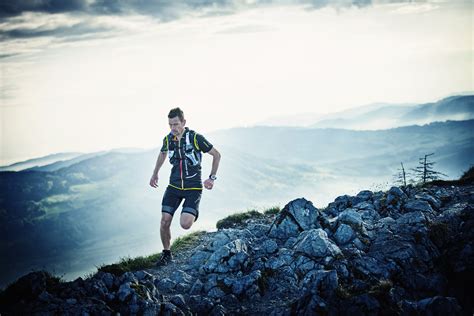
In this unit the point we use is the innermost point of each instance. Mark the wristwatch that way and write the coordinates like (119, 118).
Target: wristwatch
(212, 177)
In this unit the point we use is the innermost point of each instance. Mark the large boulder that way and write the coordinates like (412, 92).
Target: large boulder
(297, 216)
(230, 257)
(315, 244)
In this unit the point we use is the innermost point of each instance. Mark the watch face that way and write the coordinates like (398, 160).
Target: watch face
(212, 177)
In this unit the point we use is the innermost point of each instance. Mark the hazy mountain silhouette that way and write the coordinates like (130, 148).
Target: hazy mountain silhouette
(41, 161)
(379, 116)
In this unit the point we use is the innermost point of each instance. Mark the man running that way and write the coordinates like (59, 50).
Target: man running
(183, 148)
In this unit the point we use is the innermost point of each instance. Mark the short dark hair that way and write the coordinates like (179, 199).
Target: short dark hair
(176, 112)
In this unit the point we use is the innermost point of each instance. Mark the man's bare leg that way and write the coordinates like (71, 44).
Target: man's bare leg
(165, 231)
(186, 220)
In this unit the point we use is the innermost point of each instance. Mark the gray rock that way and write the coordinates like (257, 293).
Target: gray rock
(218, 261)
(439, 305)
(168, 308)
(259, 230)
(45, 297)
(367, 212)
(218, 310)
(230, 299)
(340, 203)
(134, 309)
(365, 304)
(196, 288)
(302, 265)
(402, 252)
(125, 291)
(315, 244)
(344, 234)
(128, 277)
(237, 261)
(396, 195)
(434, 202)
(269, 246)
(200, 304)
(199, 258)
(418, 206)
(218, 240)
(365, 195)
(179, 276)
(290, 242)
(165, 284)
(321, 282)
(407, 307)
(370, 267)
(215, 292)
(296, 216)
(283, 258)
(351, 218)
(178, 300)
(247, 284)
(142, 275)
(210, 283)
(412, 222)
(151, 309)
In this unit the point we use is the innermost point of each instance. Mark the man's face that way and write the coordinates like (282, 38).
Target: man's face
(176, 125)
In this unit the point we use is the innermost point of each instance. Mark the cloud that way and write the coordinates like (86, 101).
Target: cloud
(63, 31)
(70, 20)
(163, 9)
(10, 8)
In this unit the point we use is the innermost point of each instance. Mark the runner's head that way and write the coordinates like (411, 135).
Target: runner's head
(176, 121)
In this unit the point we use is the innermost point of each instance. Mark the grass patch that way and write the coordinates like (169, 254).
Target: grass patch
(187, 241)
(272, 211)
(130, 264)
(127, 264)
(237, 219)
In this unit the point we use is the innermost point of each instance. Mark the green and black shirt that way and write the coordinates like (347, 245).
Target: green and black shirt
(185, 156)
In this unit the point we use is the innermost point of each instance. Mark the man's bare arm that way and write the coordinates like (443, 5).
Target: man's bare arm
(159, 162)
(216, 158)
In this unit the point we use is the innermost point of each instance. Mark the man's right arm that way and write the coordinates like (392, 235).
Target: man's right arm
(159, 162)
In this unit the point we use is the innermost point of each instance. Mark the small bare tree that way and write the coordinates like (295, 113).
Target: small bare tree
(425, 170)
(401, 176)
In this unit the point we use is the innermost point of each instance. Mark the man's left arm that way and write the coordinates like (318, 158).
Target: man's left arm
(216, 158)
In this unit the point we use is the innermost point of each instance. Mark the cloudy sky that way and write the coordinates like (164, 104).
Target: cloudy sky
(87, 75)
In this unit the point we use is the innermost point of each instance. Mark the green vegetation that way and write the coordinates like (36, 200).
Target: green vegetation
(187, 241)
(237, 219)
(272, 211)
(139, 263)
(130, 264)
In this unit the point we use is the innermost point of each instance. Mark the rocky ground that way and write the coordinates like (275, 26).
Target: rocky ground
(401, 252)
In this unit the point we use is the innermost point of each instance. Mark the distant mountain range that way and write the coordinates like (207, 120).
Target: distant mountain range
(385, 115)
(41, 161)
(60, 160)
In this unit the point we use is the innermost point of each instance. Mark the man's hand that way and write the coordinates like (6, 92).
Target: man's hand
(208, 184)
(154, 180)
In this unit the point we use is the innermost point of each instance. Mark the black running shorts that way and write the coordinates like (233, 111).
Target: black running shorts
(173, 197)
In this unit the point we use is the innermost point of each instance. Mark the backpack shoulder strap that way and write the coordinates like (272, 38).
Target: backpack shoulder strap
(191, 138)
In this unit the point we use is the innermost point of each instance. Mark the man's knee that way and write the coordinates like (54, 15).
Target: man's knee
(186, 220)
(186, 225)
(166, 220)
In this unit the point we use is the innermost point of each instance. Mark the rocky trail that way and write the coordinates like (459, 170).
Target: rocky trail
(406, 251)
